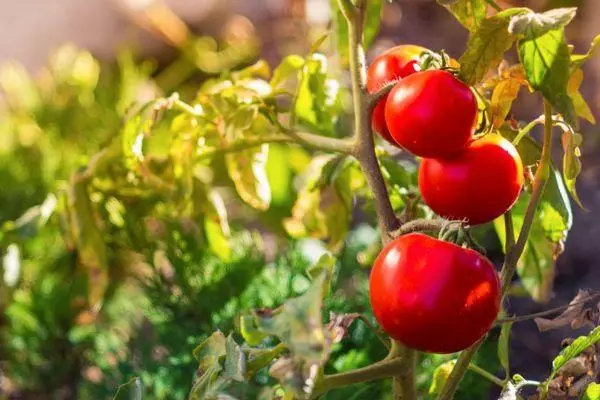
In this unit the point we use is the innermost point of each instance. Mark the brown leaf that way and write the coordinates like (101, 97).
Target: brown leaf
(339, 324)
(572, 313)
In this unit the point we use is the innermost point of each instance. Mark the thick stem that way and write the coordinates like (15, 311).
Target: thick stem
(380, 370)
(511, 259)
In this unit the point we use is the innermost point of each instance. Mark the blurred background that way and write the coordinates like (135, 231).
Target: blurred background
(70, 72)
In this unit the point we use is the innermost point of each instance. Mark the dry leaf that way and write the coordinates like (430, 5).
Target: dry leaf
(572, 313)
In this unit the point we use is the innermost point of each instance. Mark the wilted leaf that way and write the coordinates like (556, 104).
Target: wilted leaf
(504, 93)
(545, 56)
(571, 315)
(295, 379)
(247, 171)
(487, 45)
(509, 392)
(440, 376)
(504, 347)
(324, 265)
(338, 325)
(571, 162)
(211, 350)
(579, 59)
(260, 358)
(131, 390)
(250, 332)
(89, 239)
(581, 107)
(469, 13)
(209, 203)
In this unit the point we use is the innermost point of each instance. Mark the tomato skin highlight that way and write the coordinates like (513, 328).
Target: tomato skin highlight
(431, 114)
(477, 185)
(397, 62)
(433, 296)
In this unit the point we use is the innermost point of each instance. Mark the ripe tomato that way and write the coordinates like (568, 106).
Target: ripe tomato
(432, 295)
(431, 114)
(478, 185)
(397, 62)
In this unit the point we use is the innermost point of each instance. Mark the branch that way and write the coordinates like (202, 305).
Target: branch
(324, 143)
(490, 377)
(374, 98)
(423, 225)
(540, 314)
(380, 370)
(511, 259)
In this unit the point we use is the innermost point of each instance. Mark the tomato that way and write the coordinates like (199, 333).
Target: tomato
(477, 185)
(397, 62)
(432, 295)
(431, 114)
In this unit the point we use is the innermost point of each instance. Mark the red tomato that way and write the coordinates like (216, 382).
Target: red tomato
(431, 114)
(433, 296)
(397, 62)
(477, 185)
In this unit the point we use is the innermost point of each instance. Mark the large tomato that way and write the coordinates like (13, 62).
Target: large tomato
(433, 296)
(397, 62)
(431, 113)
(477, 185)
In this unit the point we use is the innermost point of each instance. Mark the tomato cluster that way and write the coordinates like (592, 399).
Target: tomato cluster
(430, 294)
(433, 114)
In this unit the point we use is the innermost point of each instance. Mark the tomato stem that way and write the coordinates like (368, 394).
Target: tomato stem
(490, 377)
(516, 251)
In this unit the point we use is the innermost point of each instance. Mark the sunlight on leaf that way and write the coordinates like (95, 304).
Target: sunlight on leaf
(247, 170)
(469, 13)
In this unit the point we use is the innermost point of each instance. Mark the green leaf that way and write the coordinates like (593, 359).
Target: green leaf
(216, 225)
(290, 66)
(324, 265)
(247, 170)
(579, 59)
(571, 162)
(131, 390)
(573, 350)
(211, 350)
(440, 376)
(250, 332)
(298, 323)
(504, 347)
(234, 367)
(371, 27)
(581, 107)
(469, 13)
(317, 104)
(533, 25)
(89, 239)
(260, 358)
(545, 56)
(487, 45)
(555, 192)
(592, 392)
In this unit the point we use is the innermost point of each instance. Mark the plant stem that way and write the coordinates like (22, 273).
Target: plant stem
(490, 377)
(494, 5)
(376, 331)
(380, 370)
(512, 257)
(509, 232)
(420, 225)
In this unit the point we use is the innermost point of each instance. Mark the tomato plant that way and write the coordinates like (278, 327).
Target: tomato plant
(395, 63)
(221, 235)
(477, 185)
(421, 286)
(431, 114)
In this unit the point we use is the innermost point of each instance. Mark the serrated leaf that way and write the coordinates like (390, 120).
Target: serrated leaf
(592, 392)
(533, 24)
(289, 67)
(573, 350)
(440, 376)
(89, 239)
(581, 107)
(487, 45)
(247, 170)
(131, 390)
(546, 60)
(571, 162)
(469, 13)
(504, 347)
